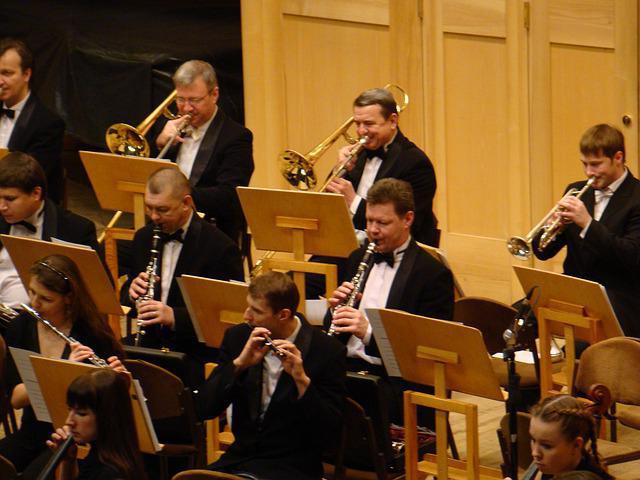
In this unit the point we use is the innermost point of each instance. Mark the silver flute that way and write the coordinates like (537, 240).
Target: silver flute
(357, 283)
(152, 272)
(275, 349)
(96, 360)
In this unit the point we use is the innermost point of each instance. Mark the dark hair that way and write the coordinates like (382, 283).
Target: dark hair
(60, 274)
(172, 178)
(22, 171)
(277, 289)
(378, 96)
(392, 190)
(575, 421)
(602, 139)
(106, 394)
(26, 57)
(577, 475)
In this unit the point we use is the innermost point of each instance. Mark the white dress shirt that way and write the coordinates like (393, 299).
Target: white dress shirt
(602, 198)
(271, 371)
(375, 295)
(12, 291)
(189, 148)
(7, 124)
(170, 254)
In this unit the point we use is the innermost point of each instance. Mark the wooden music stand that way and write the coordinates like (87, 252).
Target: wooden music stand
(299, 223)
(55, 376)
(119, 181)
(24, 252)
(3, 152)
(568, 307)
(213, 305)
(449, 356)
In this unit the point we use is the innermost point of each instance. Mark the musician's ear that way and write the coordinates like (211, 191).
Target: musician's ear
(409, 217)
(285, 314)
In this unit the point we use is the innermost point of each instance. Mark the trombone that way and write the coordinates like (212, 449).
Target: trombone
(297, 168)
(521, 247)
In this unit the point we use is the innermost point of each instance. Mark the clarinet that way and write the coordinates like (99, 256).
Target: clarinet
(152, 272)
(357, 282)
(96, 360)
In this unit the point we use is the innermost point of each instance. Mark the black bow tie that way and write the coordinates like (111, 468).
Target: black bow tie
(8, 112)
(378, 152)
(384, 257)
(168, 237)
(29, 226)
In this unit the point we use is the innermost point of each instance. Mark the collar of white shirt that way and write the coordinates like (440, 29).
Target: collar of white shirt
(198, 133)
(18, 106)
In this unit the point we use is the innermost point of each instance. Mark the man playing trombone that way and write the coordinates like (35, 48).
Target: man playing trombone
(215, 152)
(602, 228)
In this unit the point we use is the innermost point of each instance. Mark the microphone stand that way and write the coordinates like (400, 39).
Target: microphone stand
(510, 336)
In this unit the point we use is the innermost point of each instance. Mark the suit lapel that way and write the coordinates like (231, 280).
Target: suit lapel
(208, 145)
(49, 222)
(23, 121)
(392, 157)
(589, 200)
(618, 201)
(402, 276)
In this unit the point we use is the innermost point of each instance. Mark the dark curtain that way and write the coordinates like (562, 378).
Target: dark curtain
(99, 63)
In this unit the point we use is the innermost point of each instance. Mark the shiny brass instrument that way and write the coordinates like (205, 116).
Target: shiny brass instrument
(124, 139)
(297, 168)
(521, 247)
(152, 272)
(95, 359)
(7, 315)
(357, 282)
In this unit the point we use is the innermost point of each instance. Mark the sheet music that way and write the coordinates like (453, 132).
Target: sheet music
(70, 244)
(384, 345)
(22, 360)
(142, 401)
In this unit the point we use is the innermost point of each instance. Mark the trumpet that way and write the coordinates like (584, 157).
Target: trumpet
(95, 359)
(521, 247)
(357, 282)
(151, 271)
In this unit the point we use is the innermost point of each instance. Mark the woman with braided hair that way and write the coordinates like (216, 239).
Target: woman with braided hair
(563, 439)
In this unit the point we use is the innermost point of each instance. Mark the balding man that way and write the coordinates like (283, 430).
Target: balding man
(189, 245)
(216, 154)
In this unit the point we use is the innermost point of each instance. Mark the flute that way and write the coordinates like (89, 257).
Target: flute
(95, 359)
(275, 349)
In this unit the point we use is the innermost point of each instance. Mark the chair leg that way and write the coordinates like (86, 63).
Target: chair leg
(164, 467)
(452, 441)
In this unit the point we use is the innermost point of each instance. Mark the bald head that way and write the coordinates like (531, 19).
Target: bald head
(169, 180)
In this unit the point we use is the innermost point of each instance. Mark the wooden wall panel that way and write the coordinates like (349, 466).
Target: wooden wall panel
(582, 95)
(325, 64)
(476, 128)
(582, 22)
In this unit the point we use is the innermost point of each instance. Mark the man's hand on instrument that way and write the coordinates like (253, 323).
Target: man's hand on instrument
(153, 312)
(344, 187)
(170, 129)
(254, 350)
(574, 211)
(139, 286)
(292, 364)
(344, 155)
(340, 294)
(350, 320)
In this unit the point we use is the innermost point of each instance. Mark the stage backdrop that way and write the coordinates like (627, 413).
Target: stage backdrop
(99, 63)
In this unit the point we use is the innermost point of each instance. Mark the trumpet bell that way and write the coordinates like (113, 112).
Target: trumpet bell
(297, 170)
(124, 139)
(519, 248)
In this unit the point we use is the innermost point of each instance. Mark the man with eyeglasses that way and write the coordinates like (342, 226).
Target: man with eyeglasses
(215, 154)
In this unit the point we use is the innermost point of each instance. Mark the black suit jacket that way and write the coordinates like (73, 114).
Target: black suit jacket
(64, 225)
(223, 162)
(610, 252)
(405, 161)
(421, 286)
(288, 443)
(206, 252)
(40, 133)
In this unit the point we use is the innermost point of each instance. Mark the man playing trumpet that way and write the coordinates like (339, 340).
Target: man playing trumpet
(602, 231)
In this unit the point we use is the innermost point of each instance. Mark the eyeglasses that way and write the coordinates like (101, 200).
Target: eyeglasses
(194, 102)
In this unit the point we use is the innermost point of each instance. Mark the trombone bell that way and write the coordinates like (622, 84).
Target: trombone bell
(123, 139)
(297, 170)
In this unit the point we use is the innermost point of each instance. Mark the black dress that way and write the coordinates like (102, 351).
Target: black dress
(91, 468)
(25, 445)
